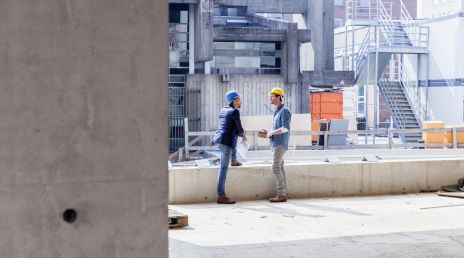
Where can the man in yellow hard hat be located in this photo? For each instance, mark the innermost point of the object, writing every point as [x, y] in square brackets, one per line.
[278, 141]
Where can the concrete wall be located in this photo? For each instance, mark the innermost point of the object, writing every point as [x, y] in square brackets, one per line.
[83, 119]
[194, 185]
[254, 91]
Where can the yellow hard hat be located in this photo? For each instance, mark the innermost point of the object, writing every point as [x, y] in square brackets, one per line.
[277, 91]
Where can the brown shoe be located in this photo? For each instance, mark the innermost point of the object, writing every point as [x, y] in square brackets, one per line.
[278, 198]
[235, 163]
[224, 200]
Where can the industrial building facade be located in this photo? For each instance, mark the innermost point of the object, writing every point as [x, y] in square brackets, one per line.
[423, 65]
[250, 46]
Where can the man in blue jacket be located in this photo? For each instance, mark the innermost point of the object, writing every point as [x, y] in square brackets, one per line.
[278, 141]
[228, 130]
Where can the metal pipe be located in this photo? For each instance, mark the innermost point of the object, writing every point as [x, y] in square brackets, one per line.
[376, 97]
[427, 117]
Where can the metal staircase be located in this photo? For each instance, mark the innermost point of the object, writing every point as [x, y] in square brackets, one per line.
[369, 60]
[400, 108]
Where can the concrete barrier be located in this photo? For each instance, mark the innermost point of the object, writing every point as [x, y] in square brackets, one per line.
[195, 185]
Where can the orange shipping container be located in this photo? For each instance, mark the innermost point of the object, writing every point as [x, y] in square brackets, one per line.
[326, 105]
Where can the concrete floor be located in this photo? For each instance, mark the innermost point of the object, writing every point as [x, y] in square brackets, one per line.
[418, 225]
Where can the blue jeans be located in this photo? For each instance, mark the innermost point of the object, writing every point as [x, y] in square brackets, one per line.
[233, 156]
[226, 153]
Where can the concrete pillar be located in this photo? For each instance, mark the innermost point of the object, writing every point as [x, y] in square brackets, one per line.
[204, 31]
[300, 97]
[321, 22]
[293, 54]
[191, 38]
[284, 61]
[83, 137]
[208, 67]
[305, 97]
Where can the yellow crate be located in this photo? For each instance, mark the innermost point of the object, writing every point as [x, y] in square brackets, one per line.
[433, 137]
[459, 135]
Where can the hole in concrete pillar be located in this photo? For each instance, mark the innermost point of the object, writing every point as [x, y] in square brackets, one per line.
[70, 216]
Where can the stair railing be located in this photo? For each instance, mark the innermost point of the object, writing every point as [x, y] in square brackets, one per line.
[409, 82]
[399, 118]
[386, 23]
[405, 15]
[363, 52]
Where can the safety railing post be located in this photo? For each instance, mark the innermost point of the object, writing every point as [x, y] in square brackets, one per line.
[326, 144]
[186, 137]
[390, 138]
[255, 140]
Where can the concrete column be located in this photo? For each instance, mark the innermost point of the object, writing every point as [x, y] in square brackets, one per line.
[208, 67]
[304, 97]
[321, 22]
[204, 31]
[191, 38]
[284, 61]
[83, 137]
[293, 54]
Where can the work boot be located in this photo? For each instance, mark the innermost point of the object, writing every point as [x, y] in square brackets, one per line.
[224, 200]
[278, 198]
[235, 163]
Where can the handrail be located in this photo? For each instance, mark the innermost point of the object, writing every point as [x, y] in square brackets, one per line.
[252, 135]
[356, 10]
[362, 53]
[405, 15]
[399, 118]
[387, 25]
[405, 80]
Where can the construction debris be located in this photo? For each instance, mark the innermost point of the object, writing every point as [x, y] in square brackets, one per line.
[451, 194]
[177, 220]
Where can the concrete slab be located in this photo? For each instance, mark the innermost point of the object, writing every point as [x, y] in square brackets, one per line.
[422, 225]
[308, 176]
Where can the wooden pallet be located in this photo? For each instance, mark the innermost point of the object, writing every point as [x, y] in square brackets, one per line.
[177, 220]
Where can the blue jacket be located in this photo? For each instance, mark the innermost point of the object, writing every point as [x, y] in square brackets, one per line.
[282, 118]
[229, 127]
